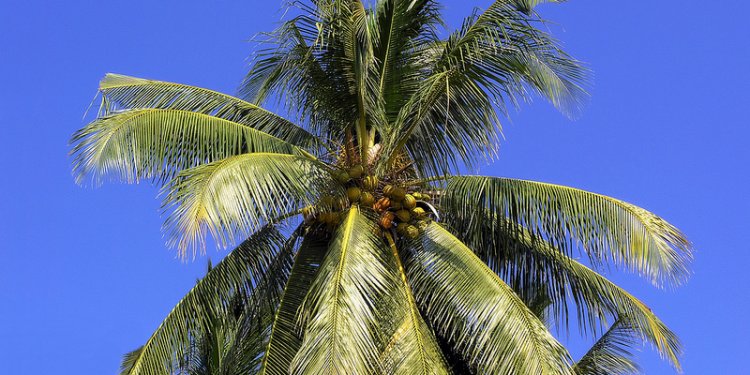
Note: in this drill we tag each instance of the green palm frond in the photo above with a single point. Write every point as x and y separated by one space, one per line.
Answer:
535 267
609 230
158 143
128 360
496 57
340 319
413 348
258 258
234 197
285 339
480 314
230 343
289 69
405 29
611 354
120 92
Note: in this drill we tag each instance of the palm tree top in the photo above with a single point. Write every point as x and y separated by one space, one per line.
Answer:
399 263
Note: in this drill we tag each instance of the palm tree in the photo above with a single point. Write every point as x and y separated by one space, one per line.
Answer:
363 249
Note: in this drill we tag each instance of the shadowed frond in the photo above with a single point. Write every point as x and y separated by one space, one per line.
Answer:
340 318
230 343
609 230
237 195
611 354
158 143
413 348
534 267
285 338
120 92
478 312
257 261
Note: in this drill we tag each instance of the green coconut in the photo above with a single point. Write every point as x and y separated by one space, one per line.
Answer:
367 199
388 190
403 215
353 193
411 232
401 228
342 177
356 171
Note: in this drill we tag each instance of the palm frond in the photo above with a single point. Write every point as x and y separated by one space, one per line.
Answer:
413 348
120 92
405 29
229 343
285 339
128 360
480 314
158 143
611 354
495 58
341 334
608 230
239 272
234 197
527 6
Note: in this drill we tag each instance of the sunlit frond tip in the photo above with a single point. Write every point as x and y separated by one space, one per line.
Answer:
607 229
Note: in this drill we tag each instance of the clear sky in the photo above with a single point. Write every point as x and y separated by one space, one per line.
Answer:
85 275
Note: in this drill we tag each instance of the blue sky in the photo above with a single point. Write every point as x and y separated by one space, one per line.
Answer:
85 275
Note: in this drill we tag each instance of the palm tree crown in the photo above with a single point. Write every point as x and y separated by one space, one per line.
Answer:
393 261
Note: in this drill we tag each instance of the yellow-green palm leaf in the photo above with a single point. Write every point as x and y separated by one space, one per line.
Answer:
483 317
609 230
158 143
341 315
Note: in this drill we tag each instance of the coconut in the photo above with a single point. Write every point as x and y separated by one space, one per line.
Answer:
398 193
412 232
409 201
382 204
422 225
356 171
418 212
388 190
426 197
401 228
386 221
367 199
403 215
370 182
353 193
396 205
416 195
342 177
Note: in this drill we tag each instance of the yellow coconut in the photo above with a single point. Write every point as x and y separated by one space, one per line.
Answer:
370 183
418 212
409 201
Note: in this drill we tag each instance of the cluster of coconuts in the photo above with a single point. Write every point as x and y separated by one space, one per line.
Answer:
397 206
